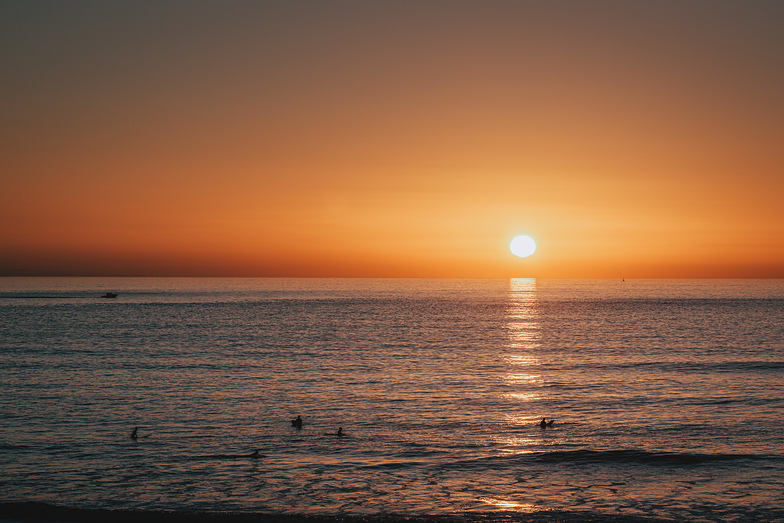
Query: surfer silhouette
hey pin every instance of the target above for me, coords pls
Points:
(544, 423)
(297, 422)
(135, 436)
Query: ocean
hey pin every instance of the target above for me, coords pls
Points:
(667, 398)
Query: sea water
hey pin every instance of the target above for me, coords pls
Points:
(667, 396)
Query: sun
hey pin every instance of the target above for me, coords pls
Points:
(522, 246)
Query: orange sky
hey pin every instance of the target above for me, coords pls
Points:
(320, 138)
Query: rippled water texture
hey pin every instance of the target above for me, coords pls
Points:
(667, 396)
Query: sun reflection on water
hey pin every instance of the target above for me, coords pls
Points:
(503, 504)
(523, 329)
(522, 378)
(524, 396)
(518, 445)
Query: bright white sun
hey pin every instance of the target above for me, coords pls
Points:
(522, 246)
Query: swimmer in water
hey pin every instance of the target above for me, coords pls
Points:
(255, 455)
(297, 422)
(135, 436)
(340, 431)
(544, 423)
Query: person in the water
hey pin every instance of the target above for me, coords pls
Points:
(135, 435)
(340, 431)
(544, 423)
(297, 422)
(255, 455)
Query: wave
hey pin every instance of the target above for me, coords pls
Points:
(203, 457)
(640, 457)
(35, 512)
(727, 366)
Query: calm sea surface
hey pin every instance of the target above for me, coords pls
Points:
(667, 395)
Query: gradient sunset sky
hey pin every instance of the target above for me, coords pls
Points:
(392, 138)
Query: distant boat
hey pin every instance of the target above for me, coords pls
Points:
(109, 295)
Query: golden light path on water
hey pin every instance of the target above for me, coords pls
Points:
(523, 327)
(511, 505)
(524, 338)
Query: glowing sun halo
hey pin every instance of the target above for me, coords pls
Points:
(522, 246)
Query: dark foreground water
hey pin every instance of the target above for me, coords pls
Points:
(667, 397)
